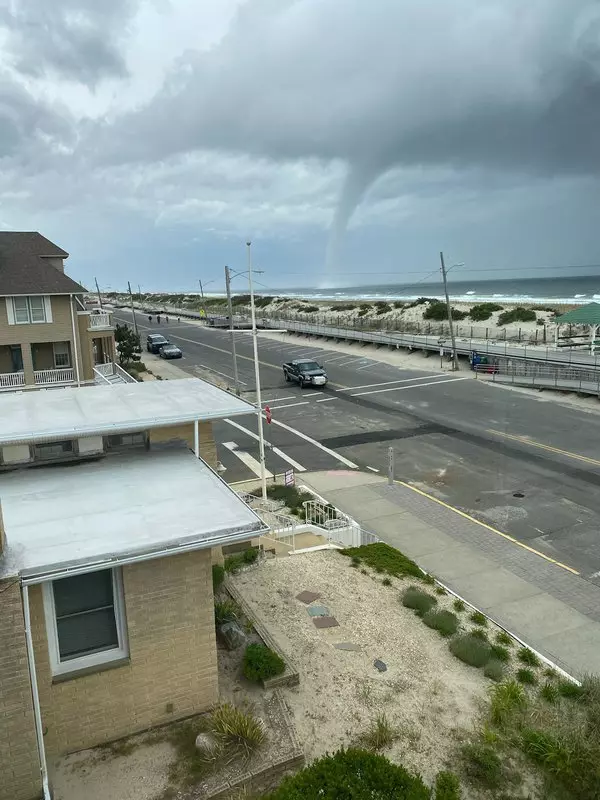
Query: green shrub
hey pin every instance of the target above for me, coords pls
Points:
(470, 649)
(250, 555)
(428, 579)
(479, 619)
(483, 311)
(507, 699)
(445, 622)
(482, 765)
(218, 576)
(436, 311)
(399, 304)
(261, 663)
(310, 309)
(527, 656)
(447, 786)
(355, 561)
(386, 582)
(383, 308)
(458, 605)
(344, 307)
(440, 590)
(500, 653)
(226, 611)
(570, 690)
(518, 314)
(234, 563)
(494, 670)
(352, 775)
(526, 676)
(379, 734)
(236, 729)
(479, 633)
(549, 692)
(549, 751)
(504, 639)
(421, 602)
(391, 561)
(292, 497)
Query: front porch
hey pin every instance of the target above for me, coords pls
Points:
(24, 366)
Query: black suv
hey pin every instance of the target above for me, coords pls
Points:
(155, 341)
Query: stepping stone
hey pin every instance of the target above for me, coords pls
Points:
(318, 611)
(307, 597)
(355, 648)
(325, 622)
(379, 665)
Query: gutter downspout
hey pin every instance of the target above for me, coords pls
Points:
(196, 439)
(37, 712)
(75, 341)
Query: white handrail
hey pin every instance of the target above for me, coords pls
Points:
(62, 375)
(10, 379)
(102, 320)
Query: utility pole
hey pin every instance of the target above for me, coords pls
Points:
(202, 295)
(135, 327)
(231, 330)
(139, 293)
(455, 366)
(261, 441)
(99, 295)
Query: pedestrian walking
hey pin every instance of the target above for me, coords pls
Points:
(167, 320)
(158, 318)
(149, 317)
(178, 319)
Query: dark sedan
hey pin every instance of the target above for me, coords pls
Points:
(170, 351)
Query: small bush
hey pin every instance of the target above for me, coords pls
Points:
(445, 622)
(527, 656)
(386, 582)
(355, 561)
(504, 639)
(310, 309)
(549, 692)
(379, 734)
(494, 670)
(471, 650)
(398, 304)
(458, 605)
(421, 602)
(235, 562)
(250, 555)
(479, 633)
(483, 311)
(440, 590)
(500, 653)
(482, 765)
(261, 663)
(383, 308)
(391, 561)
(344, 307)
(218, 576)
(570, 690)
(428, 579)
(507, 698)
(526, 676)
(447, 786)
(549, 751)
(364, 571)
(518, 314)
(549, 672)
(226, 611)
(479, 619)
(237, 729)
(356, 774)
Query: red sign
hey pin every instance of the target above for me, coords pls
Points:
(268, 414)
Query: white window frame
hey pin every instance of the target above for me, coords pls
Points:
(61, 349)
(94, 660)
(12, 310)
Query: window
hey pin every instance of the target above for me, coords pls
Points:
(29, 309)
(85, 621)
(62, 355)
(52, 450)
(126, 440)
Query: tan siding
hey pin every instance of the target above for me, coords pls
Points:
(87, 357)
(208, 449)
(19, 763)
(170, 622)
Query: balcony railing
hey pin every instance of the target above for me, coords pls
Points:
(97, 321)
(104, 369)
(43, 377)
(11, 380)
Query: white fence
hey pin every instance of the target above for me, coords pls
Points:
(12, 380)
(101, 320)
(44, 377)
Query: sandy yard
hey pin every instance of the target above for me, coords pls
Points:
(427, 694)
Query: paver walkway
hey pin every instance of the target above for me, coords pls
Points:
(554, 611)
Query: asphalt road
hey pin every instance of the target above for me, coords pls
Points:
(526, 466)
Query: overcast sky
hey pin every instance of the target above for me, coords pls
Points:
(349, 140)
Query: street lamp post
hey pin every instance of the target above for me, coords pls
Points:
(261, 440)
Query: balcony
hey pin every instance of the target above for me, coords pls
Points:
(12, 380)
(100, 321)
(47, 377)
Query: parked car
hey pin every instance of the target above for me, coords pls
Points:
(170, 351)
(306, 373)
(155, 341)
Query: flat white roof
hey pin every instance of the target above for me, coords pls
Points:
(122, 506)
(67, 413)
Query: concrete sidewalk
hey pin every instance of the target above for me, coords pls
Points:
(556, 612)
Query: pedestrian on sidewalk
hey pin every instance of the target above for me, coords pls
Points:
(149, 317)
(158, 318)
(167, 320)
(178, 319)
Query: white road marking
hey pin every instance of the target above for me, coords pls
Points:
(368, 366)
(298, 467)
(290, 405)
(327, 399)
(279, 399)
(224, 374)
(336, 358)
(373, 469)
(387, 383)
(322, 447)
(247, 459)
(414, 386)
(350, 361)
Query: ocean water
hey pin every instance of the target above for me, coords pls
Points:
(571, 290)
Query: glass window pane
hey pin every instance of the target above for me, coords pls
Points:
(87, 633)
(53, 450)
(83, 593)
(38, 309)
(21, 309)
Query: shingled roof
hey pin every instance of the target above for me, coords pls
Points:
(24, 268)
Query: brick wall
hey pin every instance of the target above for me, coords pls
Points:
(208, 448)
(169, 607)
(19, 764)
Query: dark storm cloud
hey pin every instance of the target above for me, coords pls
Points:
(77, 40)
